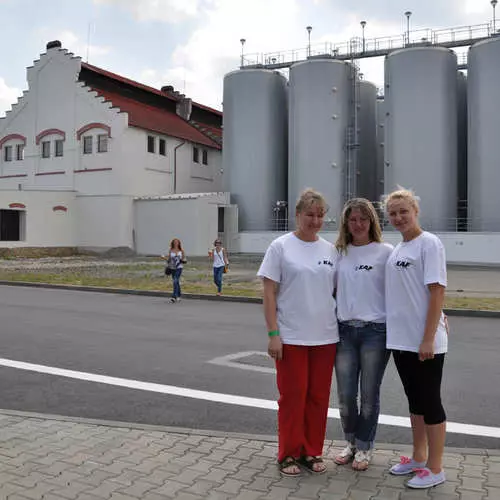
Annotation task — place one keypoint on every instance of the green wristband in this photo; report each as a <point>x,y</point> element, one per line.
<point>273,333</point>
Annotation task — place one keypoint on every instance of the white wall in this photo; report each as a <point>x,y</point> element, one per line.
<point>461,248</point>
<point>44,226</point>
<point>193,221</point>
<point>104,221</point>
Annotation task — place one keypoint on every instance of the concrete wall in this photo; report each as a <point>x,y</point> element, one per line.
<point>461,248</point>
<point>104,222</point>
<point>193,221</point>
<point>44,226</point>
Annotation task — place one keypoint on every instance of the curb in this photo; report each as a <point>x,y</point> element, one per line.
<point>220,434</point>
<point>467,313</point>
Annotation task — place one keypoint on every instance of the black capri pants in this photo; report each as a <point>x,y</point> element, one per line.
<point>422,384</point>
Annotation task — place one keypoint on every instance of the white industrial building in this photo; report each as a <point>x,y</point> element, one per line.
<point>85,154</point>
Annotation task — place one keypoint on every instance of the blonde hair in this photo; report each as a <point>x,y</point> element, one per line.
<point>403,194</point>
<point>368,210</point>
<point>310,197</point>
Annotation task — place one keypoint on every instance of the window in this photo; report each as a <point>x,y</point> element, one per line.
<point>7,153</point>
<point>19,152</point>
<point>196,155</point>
<point>59,147</point>
<point>87,145</point>
<point>205,157</point>
<point>163,147</point>
<point>102,143</point>
<point>151,144</point>
<point>46,149</point>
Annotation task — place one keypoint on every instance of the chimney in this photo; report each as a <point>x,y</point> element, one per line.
<point>168,89</point>
<point>184,108</point>
<point>54,44</point>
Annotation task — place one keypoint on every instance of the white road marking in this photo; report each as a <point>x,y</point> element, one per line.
<point>456,428</point>
<point>230,361</point>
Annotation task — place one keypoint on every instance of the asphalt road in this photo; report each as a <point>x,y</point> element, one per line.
<point>149,340</point>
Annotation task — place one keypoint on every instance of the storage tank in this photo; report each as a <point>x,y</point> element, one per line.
<point>367,182</point>
<point>254,155</point>
<point>421,130</point>
<point>462,152</point>
<point>319,133</point>
<point>483,136</point>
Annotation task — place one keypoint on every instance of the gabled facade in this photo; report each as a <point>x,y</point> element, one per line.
<point>82,137</point>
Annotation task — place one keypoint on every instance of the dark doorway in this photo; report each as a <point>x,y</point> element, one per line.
<point>220,224</point>
<point>10,225</point>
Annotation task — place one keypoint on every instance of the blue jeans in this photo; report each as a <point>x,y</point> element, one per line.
<point>218,273</point>
<point>361,361</point>
<point>176,278</point>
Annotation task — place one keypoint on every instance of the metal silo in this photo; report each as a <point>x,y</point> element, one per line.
<point>321,137</point>
<point>421,130</point>
<point>367,181</point>
<point>483,136</point>
<point>254,156</point>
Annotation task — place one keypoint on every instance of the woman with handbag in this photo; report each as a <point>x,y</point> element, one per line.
<point>220,264</point>
<point>176,259</point>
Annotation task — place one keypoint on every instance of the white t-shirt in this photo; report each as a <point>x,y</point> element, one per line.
<point>219,258</point>
<point>305,272</point>
<point>411,267</point>
<point>361,282</point>
<point>175,261</point>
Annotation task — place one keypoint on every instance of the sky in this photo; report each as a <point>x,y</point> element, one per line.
<point>191,44</point>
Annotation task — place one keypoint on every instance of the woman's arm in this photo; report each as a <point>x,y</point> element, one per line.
<point>436,301</point>
<point>226,260</point>
<point>275,347</point>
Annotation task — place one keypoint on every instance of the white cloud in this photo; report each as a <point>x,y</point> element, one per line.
<point>169,11</point>
<point>8,96</point>
<point>79,47</point>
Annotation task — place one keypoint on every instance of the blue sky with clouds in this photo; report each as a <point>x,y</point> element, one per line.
<point>193,43</point>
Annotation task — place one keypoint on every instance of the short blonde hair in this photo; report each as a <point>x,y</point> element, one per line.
<point>368,210</point>
<point>310,197</point>
<point>402,194</point>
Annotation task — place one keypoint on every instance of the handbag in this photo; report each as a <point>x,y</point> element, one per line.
<point>226,268</point>
<point>168,271</point>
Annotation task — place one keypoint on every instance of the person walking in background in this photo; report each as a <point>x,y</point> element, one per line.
<point>361,353</point>
<point>298,273</point>
<point>220,263</point>
<point>417,334</point>
<point>176,259</point>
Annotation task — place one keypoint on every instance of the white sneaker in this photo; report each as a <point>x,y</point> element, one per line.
<point>424,478</point>
<point>405,466</point>
<point>362,460</point>
<point>346,455</point>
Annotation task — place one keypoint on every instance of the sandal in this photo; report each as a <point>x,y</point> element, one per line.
<point>346,455</point>
<point>362,460</point>
<point>309,462</point>
<point>285,464</point>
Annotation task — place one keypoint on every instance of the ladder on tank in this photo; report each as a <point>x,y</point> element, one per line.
<point>352,131</point>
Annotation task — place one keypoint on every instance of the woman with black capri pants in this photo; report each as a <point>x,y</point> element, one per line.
<point>417,335</point>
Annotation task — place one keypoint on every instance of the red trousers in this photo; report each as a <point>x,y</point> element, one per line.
<point>304,378</point>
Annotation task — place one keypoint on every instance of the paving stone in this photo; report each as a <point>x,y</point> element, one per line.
<point>355,494</point>
<point>493,493</point>
<point>277,494</point>
<point>367,484</point>
<point>231,486</point>
<point>127,477</point>
<point>261,484</point>
<point>470,495</point>
<point>188,496</point>
<point>473,460</point>
<point>477,471</point>
<point>493,480</point>
<point>216,475</point>
<point>138,488</point>
<point>201,487</point>
<point>231,464</point>
<point>494,467</point>
<point>38,491</point>
<point>414,494</point>
<point>472,484</point>
<point>169,489</point>
<point>387,494</point>
<point>308,490</point>
<point>104,489</point>
<point>244,474</point>
<point>338,486</point>
<point>74,490</point>
<point>444,496</point>
<point>248,495</point>
<point>158,477</point>
<point>96,478</point>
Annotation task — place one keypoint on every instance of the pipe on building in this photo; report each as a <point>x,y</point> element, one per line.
<point>175,164</point>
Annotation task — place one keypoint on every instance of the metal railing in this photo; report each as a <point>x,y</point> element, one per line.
<point>356,48</point>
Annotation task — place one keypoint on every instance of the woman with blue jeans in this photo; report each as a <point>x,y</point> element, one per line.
<point>175,260</point>
<point>220,261</point>
<point>361,353</point>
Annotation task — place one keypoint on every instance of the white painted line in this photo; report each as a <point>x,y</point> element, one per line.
<point>266,404</point>
<point>229,361</point>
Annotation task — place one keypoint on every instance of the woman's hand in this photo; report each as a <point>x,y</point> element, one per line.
<point>275,348</point>
<point>426,350</point>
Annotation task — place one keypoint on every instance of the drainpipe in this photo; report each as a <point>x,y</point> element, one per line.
<point>175,164</point>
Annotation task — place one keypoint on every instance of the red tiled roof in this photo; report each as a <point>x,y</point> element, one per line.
<point>157,120</point>
<point>134,83</point>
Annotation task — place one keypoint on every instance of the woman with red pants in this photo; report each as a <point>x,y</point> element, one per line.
<point>298,272</point>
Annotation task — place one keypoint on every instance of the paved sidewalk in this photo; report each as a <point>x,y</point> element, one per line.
<point>56,458</point>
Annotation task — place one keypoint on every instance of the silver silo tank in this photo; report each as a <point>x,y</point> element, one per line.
<point>319,116</point>
<point>254,155</point>
<point>367,181</point>
<point>421,130</point>
<point>462,152</point>
<point>483,136</point>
